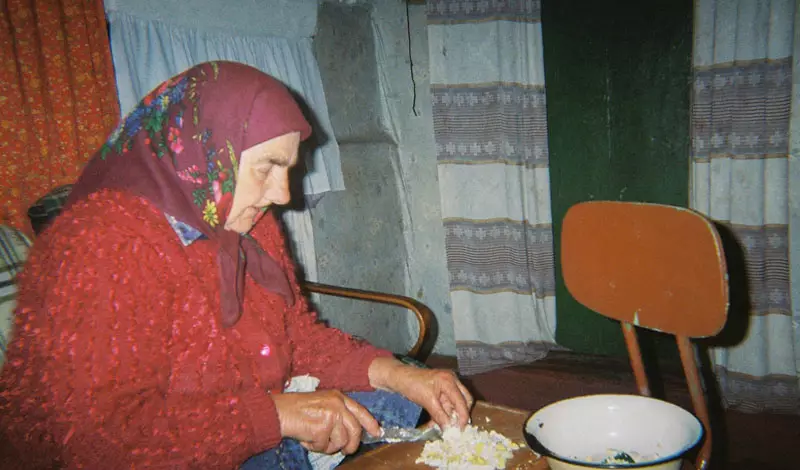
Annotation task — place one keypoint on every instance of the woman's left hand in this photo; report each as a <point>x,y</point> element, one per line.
<point>437,390</point>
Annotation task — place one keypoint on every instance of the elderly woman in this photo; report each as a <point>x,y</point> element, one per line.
<point>159,320</point>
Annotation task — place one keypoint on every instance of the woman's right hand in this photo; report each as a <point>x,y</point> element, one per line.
<point>324,421</point>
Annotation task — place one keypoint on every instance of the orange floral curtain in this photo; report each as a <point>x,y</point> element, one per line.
<point>58,98</point>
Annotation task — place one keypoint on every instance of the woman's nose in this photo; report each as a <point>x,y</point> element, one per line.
<point>279,193</point>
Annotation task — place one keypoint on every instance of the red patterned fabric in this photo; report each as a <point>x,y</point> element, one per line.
<point>58,97</point>
<point>119,360</point>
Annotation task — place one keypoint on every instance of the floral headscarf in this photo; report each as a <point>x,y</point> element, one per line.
<point>179,149</point>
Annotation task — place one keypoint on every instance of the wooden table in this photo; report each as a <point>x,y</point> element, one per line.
<point>507,421</point>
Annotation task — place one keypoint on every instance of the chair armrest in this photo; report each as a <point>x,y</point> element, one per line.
<point>421,311</point>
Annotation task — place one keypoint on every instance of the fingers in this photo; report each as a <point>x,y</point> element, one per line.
<point>323,435</point>
<point>448,407</point>
<point>326,421</point>
<point>353,429</point>
<point>439,392</point>
<point>344,436</point>
<point>461,410</point>
<point>457,401</point>
<point>317,445</point>
<point>470,401</point>
<point>339,439</point>
<point>454,399</point>
<point>345,432</point>
<point>438,412</point>
<point>353,439</point>
<point>364,418</point>
<point>465,393</point>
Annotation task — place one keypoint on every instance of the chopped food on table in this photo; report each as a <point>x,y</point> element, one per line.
<point>472,449</point>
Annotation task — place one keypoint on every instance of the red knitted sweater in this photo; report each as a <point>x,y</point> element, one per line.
<point>118,360</point>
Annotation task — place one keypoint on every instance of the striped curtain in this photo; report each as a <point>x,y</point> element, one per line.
<point>742,127</point>
<point>488,95</point>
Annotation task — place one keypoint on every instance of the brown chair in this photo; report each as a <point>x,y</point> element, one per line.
<point>651,266</point>
<point>422,346</point>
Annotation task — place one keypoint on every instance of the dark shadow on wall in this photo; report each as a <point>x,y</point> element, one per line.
<point>305,161</point>
<point>736,326</point>
<point>305,164</point>
<point>734,332</point>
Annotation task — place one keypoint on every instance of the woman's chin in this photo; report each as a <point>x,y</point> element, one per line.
<point>246,219</point>
<point>241,224</point>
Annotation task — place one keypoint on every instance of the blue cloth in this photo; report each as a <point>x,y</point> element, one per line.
<point>185,232</point>
<point>390,409</point>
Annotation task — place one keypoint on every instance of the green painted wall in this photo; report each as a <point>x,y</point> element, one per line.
<point>618,77</point>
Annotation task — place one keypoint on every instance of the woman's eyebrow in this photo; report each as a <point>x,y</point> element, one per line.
<point>277,159</point>
<point>283,160</point>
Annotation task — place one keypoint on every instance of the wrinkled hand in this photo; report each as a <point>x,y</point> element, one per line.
<point>324,421</point>
<point>437,390</point>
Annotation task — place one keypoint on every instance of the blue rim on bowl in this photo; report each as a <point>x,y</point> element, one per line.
<point>540,448</point>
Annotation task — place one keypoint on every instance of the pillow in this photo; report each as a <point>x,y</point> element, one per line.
<point>46,209</point>
<point>13,252</point>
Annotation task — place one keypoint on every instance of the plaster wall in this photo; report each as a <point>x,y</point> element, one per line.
<point>385,231</point>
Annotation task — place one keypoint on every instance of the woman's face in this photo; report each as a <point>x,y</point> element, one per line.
<point>263,180</point>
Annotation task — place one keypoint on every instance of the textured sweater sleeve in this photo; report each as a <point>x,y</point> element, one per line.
<point>336,358</point>
<point>106,367</point>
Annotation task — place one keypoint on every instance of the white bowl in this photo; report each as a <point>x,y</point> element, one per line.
<point>570,432</point>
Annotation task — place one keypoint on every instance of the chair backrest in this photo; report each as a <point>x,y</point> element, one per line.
<point>658,267</point>
<point>14,246</point>
<point>653,266</point>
